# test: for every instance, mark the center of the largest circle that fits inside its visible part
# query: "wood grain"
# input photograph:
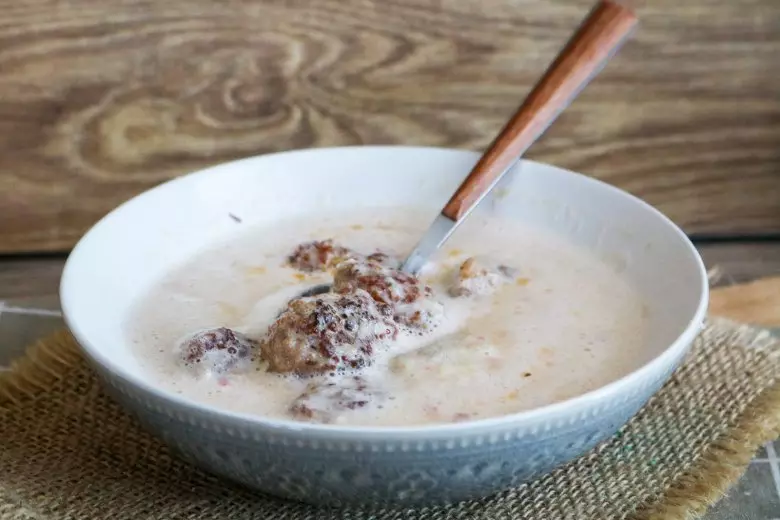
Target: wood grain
(597, 39)
(30, 278)
(100, 100)
(739, 263)
(757, 302)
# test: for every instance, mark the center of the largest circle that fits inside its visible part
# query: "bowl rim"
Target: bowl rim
(657, 364)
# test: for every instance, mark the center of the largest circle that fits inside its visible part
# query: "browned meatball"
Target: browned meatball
(325, 333)
(385, 285)
(217, 351)
(324, 401)
(384, 259)
(318, 255)
(479, 276)
(404, 295)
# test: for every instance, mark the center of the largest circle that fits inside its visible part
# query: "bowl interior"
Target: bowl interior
(135, 245)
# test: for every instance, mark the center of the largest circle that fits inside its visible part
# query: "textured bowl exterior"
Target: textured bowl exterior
(331, 464)
(389, 470)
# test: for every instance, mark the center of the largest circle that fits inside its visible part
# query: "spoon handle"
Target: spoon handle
(597, 39)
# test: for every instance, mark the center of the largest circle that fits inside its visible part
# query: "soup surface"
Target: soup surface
(505, 318)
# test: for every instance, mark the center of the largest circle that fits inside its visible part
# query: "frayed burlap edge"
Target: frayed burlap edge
(725, 460)
(44, 362)
(717, 469)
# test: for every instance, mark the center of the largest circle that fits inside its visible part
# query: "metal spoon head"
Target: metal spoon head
(315, 291)
(438, 233)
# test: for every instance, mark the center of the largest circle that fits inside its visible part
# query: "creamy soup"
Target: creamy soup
(505, 318)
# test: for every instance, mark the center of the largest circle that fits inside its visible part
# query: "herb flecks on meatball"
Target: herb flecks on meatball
(217, 351)
(318, 255)
(403, 295)
(322, 255)
(327, 333)
(324, 401)
(479, 276)
(383, 259)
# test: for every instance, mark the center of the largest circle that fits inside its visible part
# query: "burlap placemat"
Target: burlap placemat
(68, 452)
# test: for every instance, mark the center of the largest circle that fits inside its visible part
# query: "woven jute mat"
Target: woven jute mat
(68, 452)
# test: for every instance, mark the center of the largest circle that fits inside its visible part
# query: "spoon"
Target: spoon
(597, 39)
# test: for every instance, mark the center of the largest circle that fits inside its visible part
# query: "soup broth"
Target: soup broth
(508, 318)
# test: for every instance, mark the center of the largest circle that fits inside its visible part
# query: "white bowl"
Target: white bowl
(131, 248)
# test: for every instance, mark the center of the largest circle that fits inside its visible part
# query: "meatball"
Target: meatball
(324, 401)
(478, 276)
(326, 333)
(403, 295)
(217, 351)
(385, 285)
(383, 259)
(318, 255)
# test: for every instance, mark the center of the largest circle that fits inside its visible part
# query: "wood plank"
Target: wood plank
(756, 302)
(738, 263)
(748, 284)
(23, 278)
(29, 278)
(100, 100)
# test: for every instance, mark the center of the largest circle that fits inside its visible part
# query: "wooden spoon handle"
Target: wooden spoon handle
(594, 43)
